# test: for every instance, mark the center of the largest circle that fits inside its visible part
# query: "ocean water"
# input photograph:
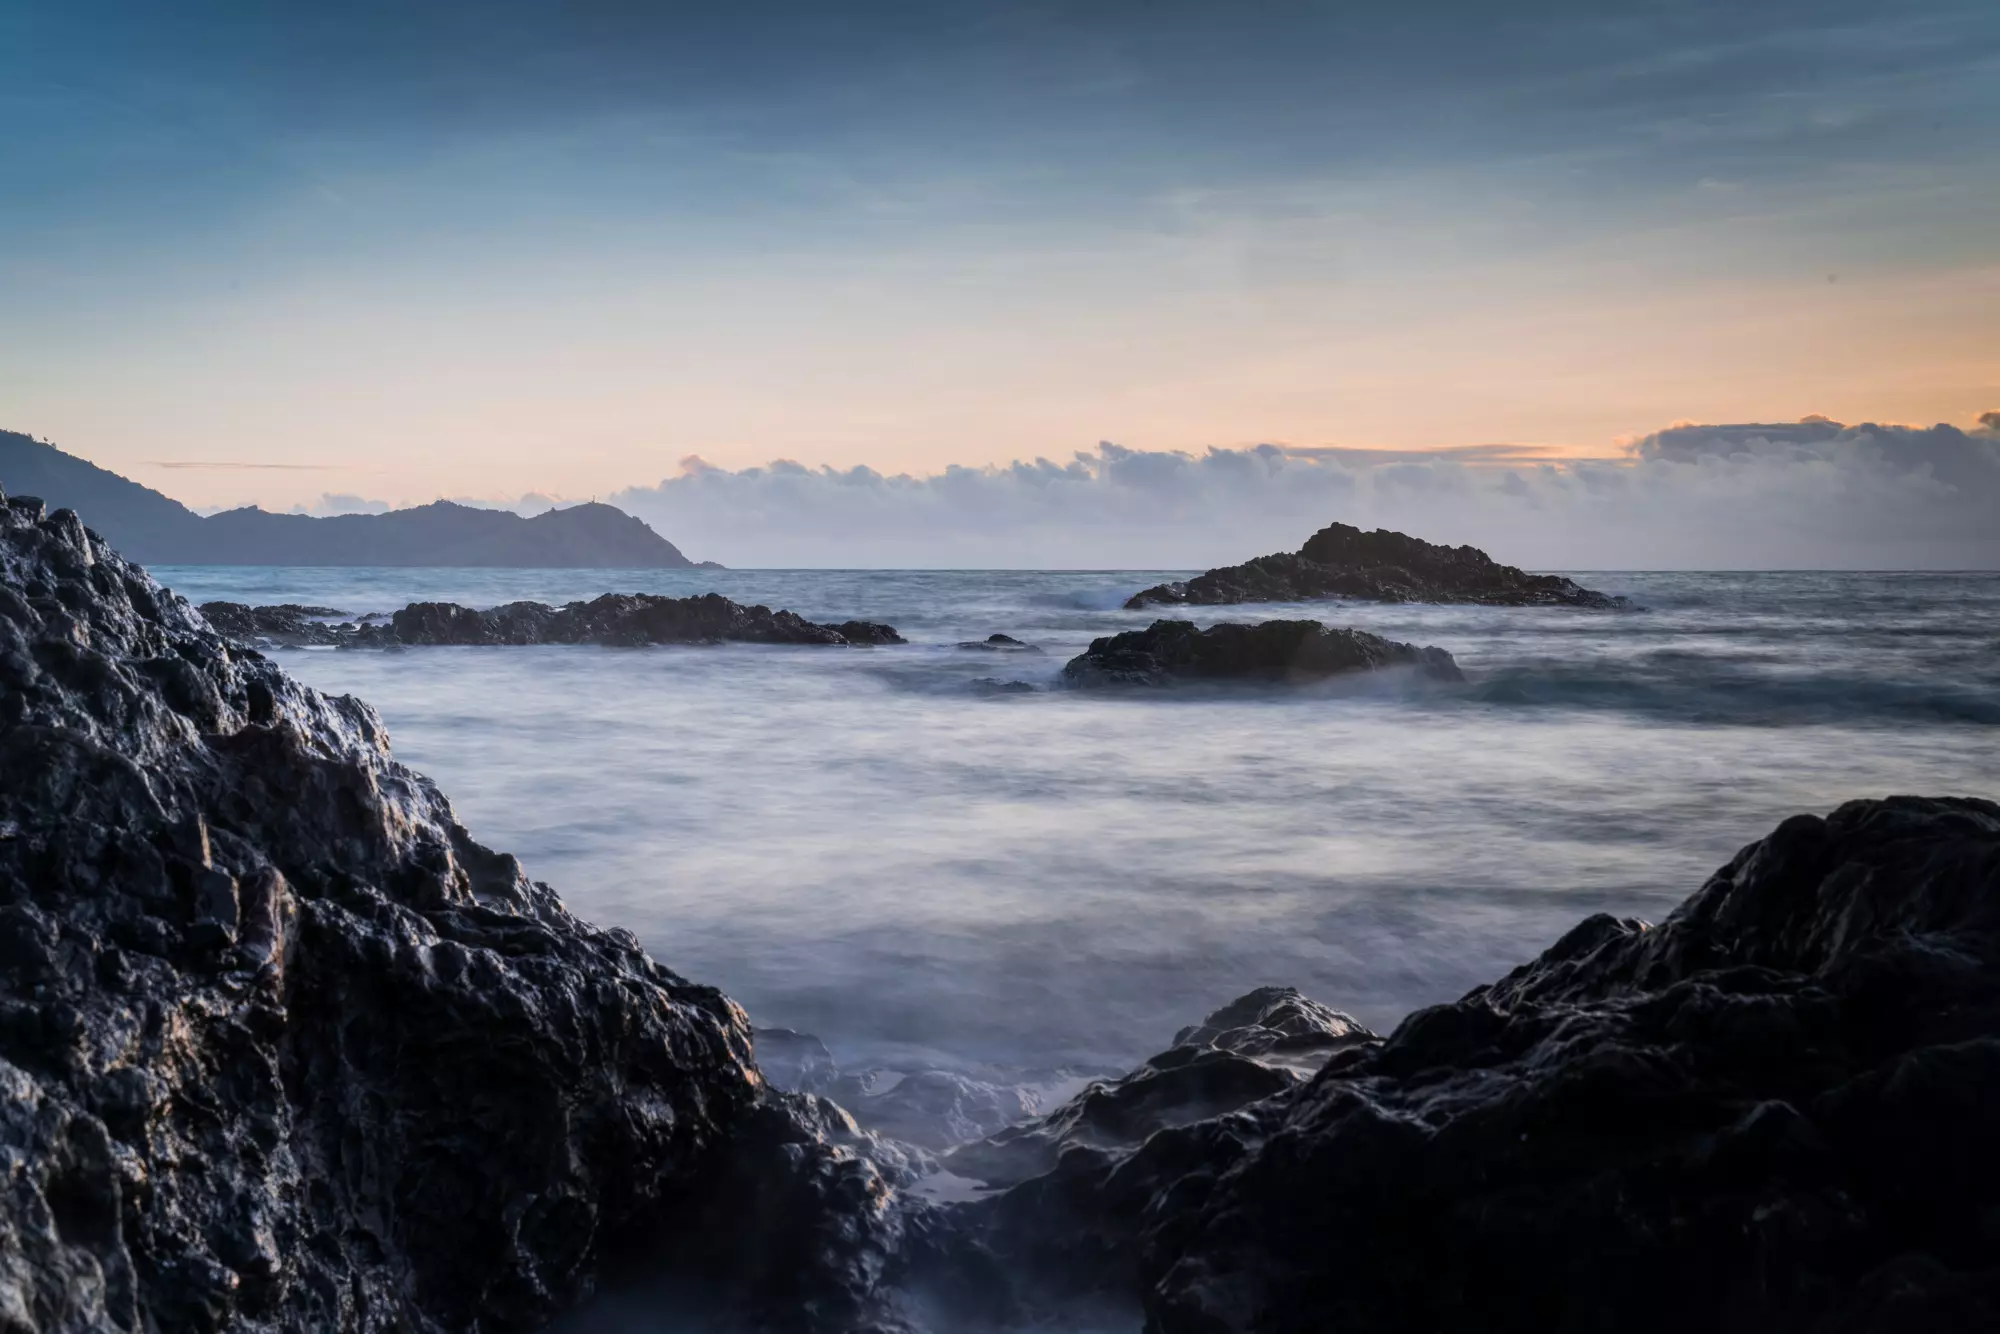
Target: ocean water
(857, 843)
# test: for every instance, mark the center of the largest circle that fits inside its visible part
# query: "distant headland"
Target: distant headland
(158, 530)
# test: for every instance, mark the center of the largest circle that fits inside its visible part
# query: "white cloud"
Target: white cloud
(1814, 493)
(335, 503)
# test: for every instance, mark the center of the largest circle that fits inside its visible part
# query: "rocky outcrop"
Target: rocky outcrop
(287, 625)
(1341, 561)
(1780, 1109)
(627, 619)
(1256, 1046)
(1169, 653)
(282, 1048)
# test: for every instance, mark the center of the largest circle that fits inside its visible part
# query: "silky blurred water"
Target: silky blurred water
(856, 843)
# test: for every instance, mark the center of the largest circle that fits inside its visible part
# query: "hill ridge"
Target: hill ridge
(158, 530)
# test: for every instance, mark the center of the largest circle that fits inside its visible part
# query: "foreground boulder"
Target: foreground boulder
(626, 619)
(1178, 652)
(283, 1048)
(1341, 561)
(1778, 1110)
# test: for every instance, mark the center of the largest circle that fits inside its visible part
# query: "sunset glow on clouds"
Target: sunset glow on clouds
(492, 250)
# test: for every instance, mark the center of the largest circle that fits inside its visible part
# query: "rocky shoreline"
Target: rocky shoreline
(285, 1049)
(1341, 561)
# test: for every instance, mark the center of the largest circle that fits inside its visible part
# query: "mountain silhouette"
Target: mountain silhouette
(158, 530)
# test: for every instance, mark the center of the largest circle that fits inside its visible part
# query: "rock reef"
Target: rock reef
(623, 619)
(282, 1048)
(1173, 652)
(1341, 561)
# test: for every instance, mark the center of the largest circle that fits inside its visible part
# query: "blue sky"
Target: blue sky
(450, 248)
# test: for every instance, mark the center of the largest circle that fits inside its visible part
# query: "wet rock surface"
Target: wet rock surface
(286, 625)
(1256, 1046)
(283, 1048)
(1778, 1110)
(1175, 652)
(1341, 561)
(620, 619)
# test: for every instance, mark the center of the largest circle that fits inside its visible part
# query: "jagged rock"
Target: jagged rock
(998, 644)
(1176, 652)
(1341, 561)
(286, 625)
(1780, 1109)
(613, 619)
(1257, 1045)
(282, 1048)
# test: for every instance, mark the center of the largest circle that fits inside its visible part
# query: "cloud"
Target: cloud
(333, 503)
(1814, 493)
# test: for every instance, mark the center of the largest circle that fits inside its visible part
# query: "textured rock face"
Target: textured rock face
(283, 1048)
(287, 625)
(627, 619)
(1341, 561)
(1252, 1048)
(1778, 1110)
(1176, 652)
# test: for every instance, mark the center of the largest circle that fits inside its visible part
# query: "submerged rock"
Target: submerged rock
(1341, 561)
(625, 619)
(283, 1048)
(1177, 652)
(998, 644)
(993, 686)
(1780, 1109)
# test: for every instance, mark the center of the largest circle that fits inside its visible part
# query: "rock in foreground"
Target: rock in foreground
(624, 619)
(1341, 561)
(283, 1049)
(1177, 652)
(1779, 1110)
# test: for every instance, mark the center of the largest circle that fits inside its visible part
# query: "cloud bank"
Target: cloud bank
(1809, 494)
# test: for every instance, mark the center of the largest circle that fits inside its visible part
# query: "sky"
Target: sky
(385, 253)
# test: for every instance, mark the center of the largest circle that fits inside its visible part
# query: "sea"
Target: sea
(869, 845)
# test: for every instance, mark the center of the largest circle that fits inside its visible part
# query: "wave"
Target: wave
(1713, 694)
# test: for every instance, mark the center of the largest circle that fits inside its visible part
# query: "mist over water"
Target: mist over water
(857, 843)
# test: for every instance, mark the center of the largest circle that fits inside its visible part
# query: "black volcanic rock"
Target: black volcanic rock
(868, 632)
(286, 625)
(155, 529)
(628, 619)
(615, 618)
(1778, 1110)
(1257, 1045)
(1177, 652)
(282, 1048)
(1341, 561)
